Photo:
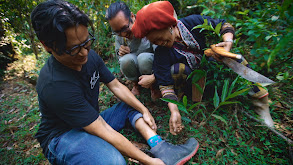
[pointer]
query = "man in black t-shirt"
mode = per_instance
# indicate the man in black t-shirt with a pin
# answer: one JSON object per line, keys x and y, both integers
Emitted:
{"x": 72, "y": 129}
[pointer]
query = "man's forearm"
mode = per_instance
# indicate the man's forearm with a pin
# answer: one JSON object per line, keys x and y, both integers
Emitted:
{"x": 124, "y": 94}
{"x": 227, "y": 37}
{"x": 101, "y": 129}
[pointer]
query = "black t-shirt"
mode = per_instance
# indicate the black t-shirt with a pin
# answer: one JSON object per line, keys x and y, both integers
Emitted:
{"x": 67, "y": 98}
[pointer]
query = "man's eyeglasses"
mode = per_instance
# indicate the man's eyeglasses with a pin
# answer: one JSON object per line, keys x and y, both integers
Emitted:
{"x": 87, "y": 45}
{"x": 123, "y": 29}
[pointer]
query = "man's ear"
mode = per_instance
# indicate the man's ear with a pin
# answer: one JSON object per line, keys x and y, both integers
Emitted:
{"x": 49, "y": 50}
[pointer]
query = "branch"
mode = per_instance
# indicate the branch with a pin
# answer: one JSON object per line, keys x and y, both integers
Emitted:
{"x": 272, "y": 129}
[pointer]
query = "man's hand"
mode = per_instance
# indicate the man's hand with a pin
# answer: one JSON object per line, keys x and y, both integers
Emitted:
{"x": 175, "y": 119}
{"x": 146, "y": 81}
{"x": 156, "y": 161}
{"x": 123, "y": 50}
{"x": 148, "y": 118}
{"x": 226, "y": 45}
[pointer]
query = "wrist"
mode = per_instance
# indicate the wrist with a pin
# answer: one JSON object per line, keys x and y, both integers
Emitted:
{"x": 229, "y": 40}
{"x": 146, "y": 160}
{"x": 173, "y": 108}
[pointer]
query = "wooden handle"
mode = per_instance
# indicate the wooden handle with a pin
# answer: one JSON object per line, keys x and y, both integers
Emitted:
{"x": 223, "y": 52}
{"x": 209, "y": 52}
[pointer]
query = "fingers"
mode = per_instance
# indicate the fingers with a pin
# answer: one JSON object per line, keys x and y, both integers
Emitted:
{"x": 217, "y": 57}
{"x": 226, "y": 45}
{"x": 123, "y": 50}
{"x": 175, "y": 127}
{"x": 172, "y": 129}
{"x": 140, "y": 77}
{"x": 221, "y": 44}
{"x": 145, "y": 81}
{"x": 150, "y": 121}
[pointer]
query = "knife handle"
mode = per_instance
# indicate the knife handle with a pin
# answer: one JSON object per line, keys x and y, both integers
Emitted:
{"x": 209, "y": 52}
{"x": 223, "y": 52}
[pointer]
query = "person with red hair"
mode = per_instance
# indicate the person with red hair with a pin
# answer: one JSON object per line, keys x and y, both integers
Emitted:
{"x": 179, "y": 52}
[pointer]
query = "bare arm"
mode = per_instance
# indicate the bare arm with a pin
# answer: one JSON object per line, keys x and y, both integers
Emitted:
{"x": 101, "y": 129}
{"x": 175, "y": 122}
{"x": 124, "y": 94}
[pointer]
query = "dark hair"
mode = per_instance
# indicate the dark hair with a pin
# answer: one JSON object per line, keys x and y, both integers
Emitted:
{"x": 50, "y": 19}
{"x": 114, "y": 8}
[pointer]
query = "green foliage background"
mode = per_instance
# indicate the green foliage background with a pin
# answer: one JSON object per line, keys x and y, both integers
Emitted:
{"x": 264, "y": 36}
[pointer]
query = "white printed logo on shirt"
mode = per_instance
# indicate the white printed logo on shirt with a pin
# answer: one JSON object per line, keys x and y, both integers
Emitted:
{"x": 94, "y": 80}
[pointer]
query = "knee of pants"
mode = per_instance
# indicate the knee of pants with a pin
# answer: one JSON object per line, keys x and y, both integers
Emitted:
{"x": 145, "y": 62}
{"x": 128, "y": 66}
{"x": 128, "y": 61}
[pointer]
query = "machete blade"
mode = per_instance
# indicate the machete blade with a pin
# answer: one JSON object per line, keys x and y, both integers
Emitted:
{"x": 246, "y": 72}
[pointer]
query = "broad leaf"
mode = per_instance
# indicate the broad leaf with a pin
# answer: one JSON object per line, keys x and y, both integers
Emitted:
{"x": 180, "y": 105}
{"x": 220, "y": 118}
{"x": 232, "y": 85}
{"x": 181, "y": 108}
{"x": 200, "y": 110}
{"x": 199, "y": 88}
{"x": 236, "y": 93}
{"x": 196, "y": 75}
{"x": 185, "y": 119}
{"x": 194, "y": 105}
{"x": 218, "y": 28}
{"x": 283, "y": 42}
{"x": 216, "y": 98}
{"x": 172, "y": 101}
{"x": 228, "y": 102}
{"x": 224, "y": 90}
{"x": 184, "y": 101}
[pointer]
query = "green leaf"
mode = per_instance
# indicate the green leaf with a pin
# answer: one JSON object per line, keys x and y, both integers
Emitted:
{"x": 251, "y": 32}
{"x": 283, "y": 42}
{"x": 228, "y": 102}
{"x": 242, "y": 13}
{"x": 203, "y": 61}
{"x": 196, "y": 75}
{"x": 184, "y": 101}
{"x": 224, "y": 90}
{"x": 185, "y": 119}
{"x": 199, "y": 88}
{"x": 183, "y": 109}
{"x": 180, "y": 105}
{"x": 218, "y": 28}
{"x": 173, "y": 101}
{"x": 268, "y": 37}
{"x": 237, "y": 93}
{"x": 220, "y": 118}
{"x": 232, "y": 85}
{"x": 204, "y": 26}
{"x": 200, "y": 110}
{"x": 198, "y": 27}
{"x": 194, "y": 105}
{"x": 216, "y": 98}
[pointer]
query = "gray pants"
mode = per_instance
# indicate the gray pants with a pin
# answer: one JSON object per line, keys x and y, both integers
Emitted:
{"x": 132, "y": 65}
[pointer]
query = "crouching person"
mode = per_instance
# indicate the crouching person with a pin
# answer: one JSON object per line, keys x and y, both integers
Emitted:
{"x": 72, "y": 129}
